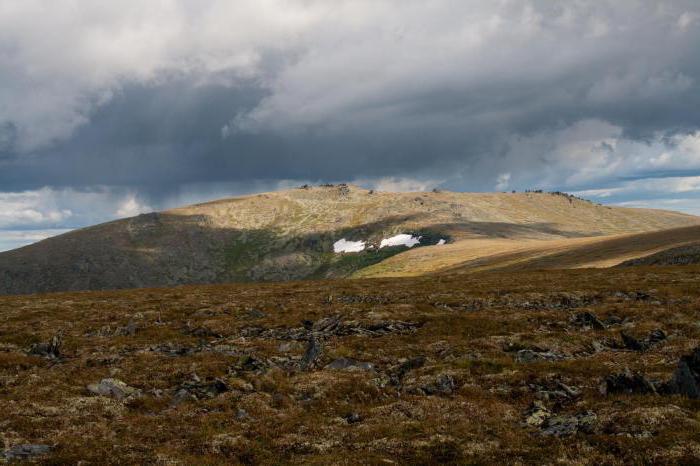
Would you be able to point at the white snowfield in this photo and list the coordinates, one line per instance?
(342, 245)
(441, 242)
(401, 240)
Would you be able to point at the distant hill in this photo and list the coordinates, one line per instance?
(295, 234)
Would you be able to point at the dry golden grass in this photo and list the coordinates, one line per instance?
(477, 255)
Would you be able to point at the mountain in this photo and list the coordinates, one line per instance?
(294, 234)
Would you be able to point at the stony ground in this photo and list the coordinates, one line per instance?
(571, 367)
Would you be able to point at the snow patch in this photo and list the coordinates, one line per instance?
(342, 245)
(401, 240)
(441, 242)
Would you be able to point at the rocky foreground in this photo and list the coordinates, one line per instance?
(579, 366)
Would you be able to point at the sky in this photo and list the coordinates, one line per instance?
(111, 109)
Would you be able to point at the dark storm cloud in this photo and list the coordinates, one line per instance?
(143, 100)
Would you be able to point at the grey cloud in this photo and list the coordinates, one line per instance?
(463, 94)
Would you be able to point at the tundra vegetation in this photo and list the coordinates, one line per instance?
(585, 366)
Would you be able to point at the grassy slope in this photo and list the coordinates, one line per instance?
(489, 254)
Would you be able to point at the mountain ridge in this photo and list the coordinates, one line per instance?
(287, 235)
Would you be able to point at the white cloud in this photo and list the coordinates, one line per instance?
(398, 184)
(28, 208)
(502, 181)
(131, 207)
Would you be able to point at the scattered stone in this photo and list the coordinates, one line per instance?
(349, 364)
(173, 350)
(686, 378)
(626, 382)
(352, 418)
(444, 385)
(555, 391)
(613, 320)
(655, 337)
(255, 314)
(241, 414)
(397, 373)
(51, 350)
(529, 355)
(314, 348)
(630, 342)
(327, 325)
(537, 414)
(249, 363)
(559, 425)
(129, 330)
(23, 452)
(201, 332)
(287, 346)
(196, 389)
(588, 320)
(114, 388)
(229, 350)
(598, 346)
(565, 425)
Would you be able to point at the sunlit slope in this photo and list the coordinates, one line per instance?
(475, 255)
(290, 234)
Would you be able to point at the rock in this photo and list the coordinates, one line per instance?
(23, 452)
(589, 320)
(114, 388)
(352, 418)
(287, 346)
(528, 355)
(444, 385)
(129, 330)
(598, 346)
(626, 382)
(201, 332)
(255, 314)
(564, 425)
(631, 343)
(249, 363)
(182, 396)
(349, 364)
(51, 350)
(555, 391)
(613, 320)
(241, 414)
(537, 414)
(196, 389)
(559, 425)
(686, 378)
(396, 373)
(314, 349)
(655, 337)
(326, 325)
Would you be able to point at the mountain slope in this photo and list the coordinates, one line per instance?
(291, 234)
(478, 255)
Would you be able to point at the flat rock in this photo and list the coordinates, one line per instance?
(350, 364)
(686, 378)
(23, 452)
(114, 388)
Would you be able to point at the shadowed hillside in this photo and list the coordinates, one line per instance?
(290, 235)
